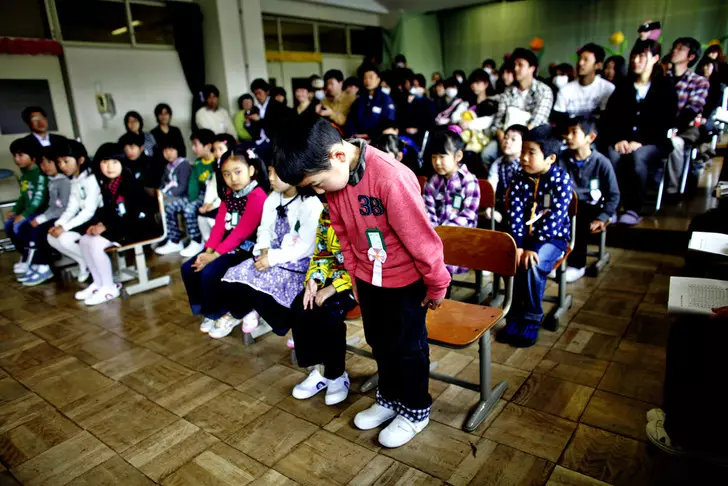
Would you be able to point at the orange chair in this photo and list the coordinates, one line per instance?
(459, 325)
(602, 255)
(422, 180)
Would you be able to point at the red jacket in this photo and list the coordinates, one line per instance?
(387, 197)
(246, 227)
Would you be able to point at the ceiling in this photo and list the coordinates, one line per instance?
(428, 5)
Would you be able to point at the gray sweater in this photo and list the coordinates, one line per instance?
(596, 168)
(175, 178)
(59, 188)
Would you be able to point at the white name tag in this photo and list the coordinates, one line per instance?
(376, 109)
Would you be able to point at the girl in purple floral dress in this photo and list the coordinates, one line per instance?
(275, 276)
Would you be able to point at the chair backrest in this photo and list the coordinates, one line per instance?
(573, 204)
(487, 194)
(160, 202)
(479, 249)
(422, 180)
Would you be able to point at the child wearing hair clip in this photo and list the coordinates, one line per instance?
(286, 240)
(242, 184)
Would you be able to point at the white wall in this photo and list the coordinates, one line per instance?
(138, 80)
(312, 11)
(36, 67)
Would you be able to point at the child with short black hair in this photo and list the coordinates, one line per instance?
(392, 145)
(144, 168)
(538, 215)
(392, 251)
(37, 251)
(177, 173)
(33, 196)
(452, 194)
(202, 170)
(83, 201)
(501, 172)
(126, 216)
(211, 202)
(596, 185)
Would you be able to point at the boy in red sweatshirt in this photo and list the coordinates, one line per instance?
(391, 251)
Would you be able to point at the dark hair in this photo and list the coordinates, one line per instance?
(158, 110)
(365, 68)
(28, 111)
(244, 97)
(210, 89)
(109, 151)
(526, 54)
(305, 150)
(460, 72)
(654, 48)
(595, 49)
(48, 153)
(543, 137)
(130, 138)
(420, 78)
(691, 44)
(489, 62)
(479, 76)
(521, 129)
(352, 81)
(444, 142)
(204, 135)
(387, 124)
(133, 114)
(715, 48)
(227, 139)
(246, 154)
(566, 69)
(168, 142)
(705, 61)
(587, 124)
(400, 58)
(276, 91)
(390, 144)
(24, 146)
(450, 82)
(259, 84)
(620, 66)
(334, 74)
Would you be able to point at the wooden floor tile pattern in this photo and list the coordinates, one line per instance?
(130, 393)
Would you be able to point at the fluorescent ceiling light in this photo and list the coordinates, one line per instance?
(123, 30)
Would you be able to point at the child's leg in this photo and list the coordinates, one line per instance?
(577, 258)
(193, 285)
(98, 262)
(394, 326)
(203, 288)
(11, 233)
(67, 244)
(241, 299)
(39, 252)
(205, 225)
(171, 210)
(190, 214)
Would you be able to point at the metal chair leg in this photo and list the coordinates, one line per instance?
(488, 398)
(564, 302)
(370, 384)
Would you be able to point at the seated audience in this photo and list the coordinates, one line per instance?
(505, 167)
(304, 102)
(708, 69)
(452, 194)
(692, 93)
(243, 184)
(393, 145)
(352, 86)
(418, 112)
(491, 70)
(336, 105)
(126, 216)
(242, 122)
(588, 94)
(202, 170)
(164, 133)
(455, 106)
(176, 175)
(596, 185)
(36, 251)
(37, 120)
(438, 96)
(83, 202)
(279, 94)
(371, 107)
(409, 150)
(33, 197)
(615, 69)
(270, 114)
(134, 124)
(538, 216)
(563, 75)
(211, 202)
(635, 124)
(212, 116)
(282, 254)
(144, 168)
(436, 78)
(476, 121)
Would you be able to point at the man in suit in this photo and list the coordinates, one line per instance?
(37, 120)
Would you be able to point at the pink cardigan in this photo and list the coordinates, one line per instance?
(247, 225)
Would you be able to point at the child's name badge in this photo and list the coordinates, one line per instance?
(593, 184)
(121, 208)
(376, 109)
(83, 193)
(234, 218)
(547, 200)
(457, 201)
(377, 254)
(59, 203)
(596, 195)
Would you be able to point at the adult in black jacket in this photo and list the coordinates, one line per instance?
(37, 120)
(635, 124)
(164, 133)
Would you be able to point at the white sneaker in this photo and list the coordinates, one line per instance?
(192, 249)
(223, 326)
(83, 274)
(338, 390)
(552, 275)
(207, 324)
(373, 417)
(401, 431)
(655, 415)
(250, 322)
(20, 268)
(168, 248)
(87, 292)
(102, 295)
(573, 274)
(313, 384)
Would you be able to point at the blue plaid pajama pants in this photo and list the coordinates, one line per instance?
(189, 210)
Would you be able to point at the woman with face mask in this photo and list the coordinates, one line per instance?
(455, 105)
(418, 113)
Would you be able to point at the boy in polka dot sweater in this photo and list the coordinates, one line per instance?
(538, 212)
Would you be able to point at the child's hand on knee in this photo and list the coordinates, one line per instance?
(309, 295)
(597, 226)
(324, 294)
(261, 263)
(529, 259)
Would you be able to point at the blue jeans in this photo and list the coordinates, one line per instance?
(633, 172)
(19, 234)
(530, 284)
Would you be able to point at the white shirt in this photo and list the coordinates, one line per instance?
(577, 100)
(218, 121)
(45, 142)
(262, 108)
(83, 201)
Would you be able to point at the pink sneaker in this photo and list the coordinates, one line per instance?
(290, 343)
(250, 322)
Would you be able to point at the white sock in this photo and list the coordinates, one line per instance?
(41, 268)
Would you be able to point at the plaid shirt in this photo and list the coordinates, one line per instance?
(539, 100)
(453, 201)
(692, 91)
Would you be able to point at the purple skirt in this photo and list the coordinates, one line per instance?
(282, 282)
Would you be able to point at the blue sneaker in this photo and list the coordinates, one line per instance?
(38, 278)
(26, 275)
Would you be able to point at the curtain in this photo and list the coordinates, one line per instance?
(417, 36)
(188, 40)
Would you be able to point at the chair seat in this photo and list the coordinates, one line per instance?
(458, 324)
(353, 314)
(561, 260)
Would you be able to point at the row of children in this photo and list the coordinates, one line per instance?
(78, 208)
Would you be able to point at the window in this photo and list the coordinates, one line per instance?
(93, 21)
(152, 24)
(332, 39)
(359, 41)
(270, 33)
(297, 36)
(23, 19)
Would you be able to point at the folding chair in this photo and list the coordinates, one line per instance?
(602, 255)
(422, 180)
(458, 325)
(564, 301)
(140, 272)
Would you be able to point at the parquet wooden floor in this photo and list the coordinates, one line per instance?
(130, 393)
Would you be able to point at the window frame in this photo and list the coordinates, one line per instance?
(316, 24)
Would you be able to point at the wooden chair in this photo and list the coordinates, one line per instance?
(422, 180)
(563, 301)
(140, 272)
(459, 325)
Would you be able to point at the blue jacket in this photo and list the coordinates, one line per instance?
(368, 112)
(547, 195)
(595, 173)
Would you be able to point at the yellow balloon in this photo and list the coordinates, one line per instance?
(616, 39)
